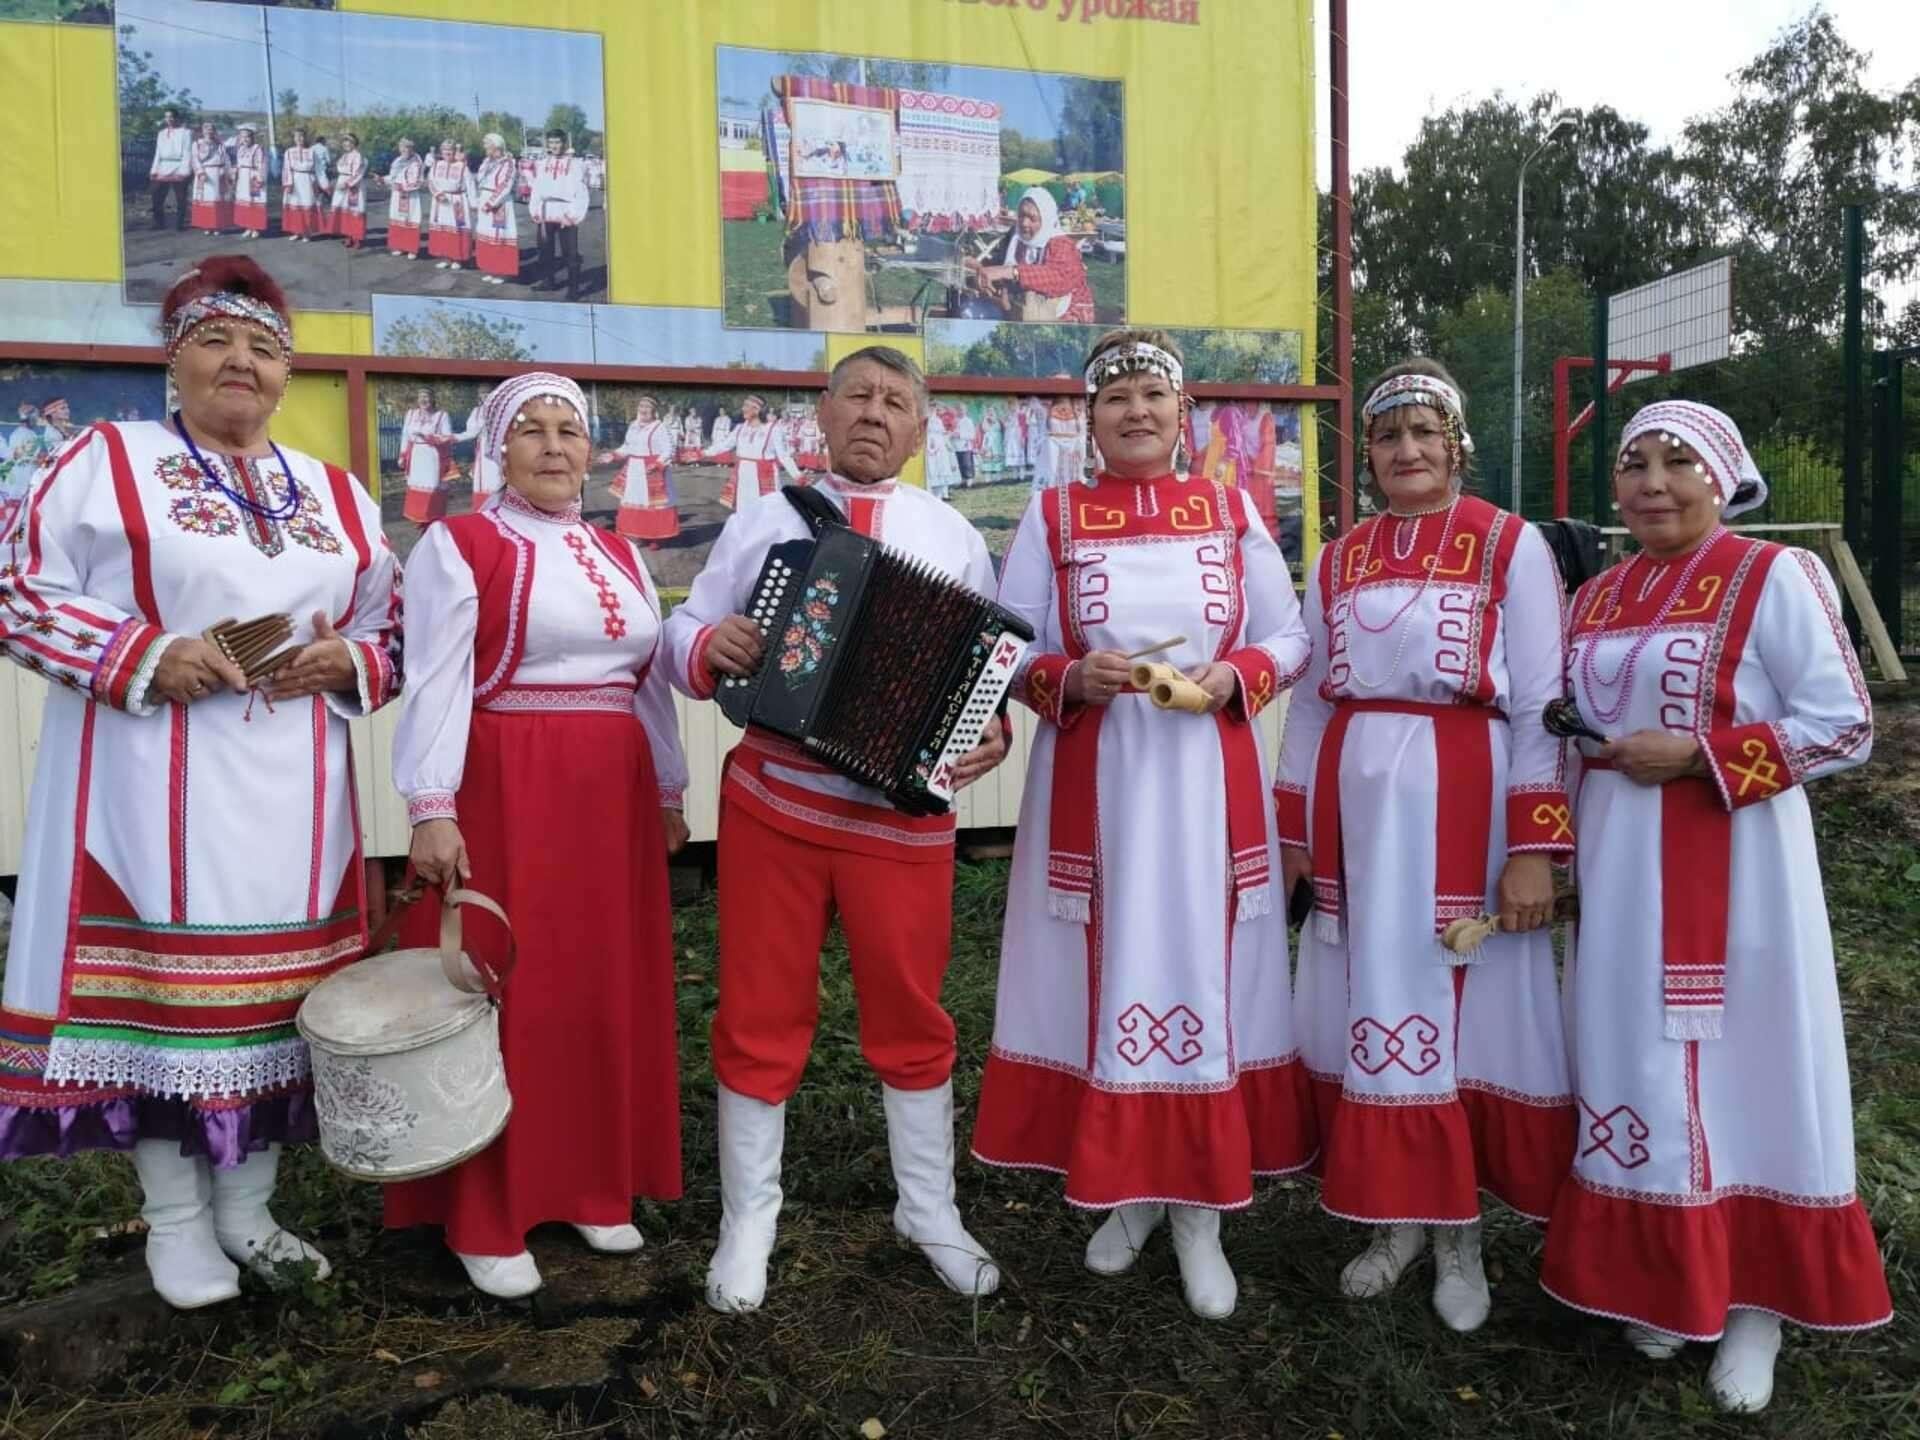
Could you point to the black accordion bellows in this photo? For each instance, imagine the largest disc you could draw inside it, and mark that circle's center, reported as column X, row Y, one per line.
column 879, row 665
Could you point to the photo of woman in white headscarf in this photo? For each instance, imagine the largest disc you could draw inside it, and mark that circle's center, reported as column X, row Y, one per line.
column 1035, row 272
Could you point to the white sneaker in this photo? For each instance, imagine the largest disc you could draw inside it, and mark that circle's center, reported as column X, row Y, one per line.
column 245, row 1227
column 1652, row 1343
column 752, row 1135
column 611, row 1239
column 1212, row 1292
column 183, row 1256
column 1741, row 1376
column 505, row 1277
column 1461, row 1296
column 1112, row 1249
column 1378, row 1268
column 920, row 1144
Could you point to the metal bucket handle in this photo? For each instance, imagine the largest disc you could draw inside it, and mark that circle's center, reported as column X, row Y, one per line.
column 492, row 979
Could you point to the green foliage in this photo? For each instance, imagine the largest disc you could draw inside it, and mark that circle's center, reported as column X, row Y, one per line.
column 1092, row 127
column 451, row 334
column 144, row 100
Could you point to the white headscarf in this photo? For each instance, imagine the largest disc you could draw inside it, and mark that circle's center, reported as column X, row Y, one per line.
column 1049, row 209
column 510, row 397
column 1715, row 439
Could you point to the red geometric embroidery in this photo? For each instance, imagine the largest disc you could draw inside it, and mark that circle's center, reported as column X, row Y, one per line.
column 1159, row 1030
column 1393, row 1048
column 1602, row 1131
column 613, row 622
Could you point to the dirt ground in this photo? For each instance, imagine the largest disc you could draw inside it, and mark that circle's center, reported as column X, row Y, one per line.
column 856, row 1329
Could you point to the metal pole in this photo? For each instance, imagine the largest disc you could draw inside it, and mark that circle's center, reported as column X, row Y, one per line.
column 1852, row 364
column 1343, row 472
column 1886, row 533
column 1519, row 312
column 1602, row 471
column 266, row 54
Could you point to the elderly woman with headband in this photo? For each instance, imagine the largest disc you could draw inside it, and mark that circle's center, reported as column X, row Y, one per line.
column 540, row 759
column 1713, row 1195
column 1417, row 787
column 1143, row 1043
column 193, row 843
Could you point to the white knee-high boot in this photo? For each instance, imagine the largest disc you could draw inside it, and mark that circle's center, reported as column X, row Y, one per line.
column 1212, row 1292
column 245, row 1228
column 752, row 1136
column 1461, row 1296
column 920, row 1141
column 1378, row 1268
column 1741, row 1376
column 1112, row 1249
column 183, row 1255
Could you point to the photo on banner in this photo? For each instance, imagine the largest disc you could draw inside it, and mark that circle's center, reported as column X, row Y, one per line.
column 670, row 463
column 1038, row 352
column 864, row 194
column 352, row 154
column 100, row 12
column 44, row 406
column 989, row 455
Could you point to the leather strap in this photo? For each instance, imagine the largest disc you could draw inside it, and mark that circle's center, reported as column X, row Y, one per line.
column 492, row 979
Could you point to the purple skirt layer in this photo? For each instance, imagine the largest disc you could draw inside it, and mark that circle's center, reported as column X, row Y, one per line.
column 225, row 1136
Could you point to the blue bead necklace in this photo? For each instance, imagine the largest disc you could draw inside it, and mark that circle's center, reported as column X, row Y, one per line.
column 287, row 508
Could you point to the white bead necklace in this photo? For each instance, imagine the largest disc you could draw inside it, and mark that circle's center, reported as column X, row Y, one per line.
column 1402, row 616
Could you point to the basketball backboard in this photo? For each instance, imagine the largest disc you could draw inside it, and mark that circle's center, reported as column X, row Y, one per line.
column 1686, row 316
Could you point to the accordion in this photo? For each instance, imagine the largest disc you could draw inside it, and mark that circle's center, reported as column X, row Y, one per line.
column 880, row 666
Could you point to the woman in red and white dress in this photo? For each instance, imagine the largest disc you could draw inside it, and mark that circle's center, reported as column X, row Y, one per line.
column 532, row 645
column 300, row 189
column 212, row 207
column 450, row 221
column 496, row 235
column 648, row 507
column 425, row 436
column 1713, row 1193
column 1416, row 787
column 406, row 182
column 249, row 184
column 348, row 218
column 760, row 455
column 1143, row 1040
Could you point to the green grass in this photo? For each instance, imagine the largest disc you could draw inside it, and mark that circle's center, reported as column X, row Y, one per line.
column 857, row 1328
column 756, row 279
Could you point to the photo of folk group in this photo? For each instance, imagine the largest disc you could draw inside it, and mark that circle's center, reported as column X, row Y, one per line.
column 1161, row 1038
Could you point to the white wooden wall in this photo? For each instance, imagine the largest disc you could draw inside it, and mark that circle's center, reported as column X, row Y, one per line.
column 991, row 802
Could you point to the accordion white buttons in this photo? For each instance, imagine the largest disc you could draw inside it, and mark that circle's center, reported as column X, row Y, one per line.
column 880, row 666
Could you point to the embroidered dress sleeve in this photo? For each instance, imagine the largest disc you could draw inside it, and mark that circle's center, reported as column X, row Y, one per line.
column 723, row 441
column 1060, row 271
column 1538, row 815
column 1277, row 648
column 653, row 703
column 719, row 590
column 49, row 623
column 662, row 443
column 372, row 624
column 430, row 743
column 575, row 195
column 1307, row 715
column 1027, row 589
column 1827, row 724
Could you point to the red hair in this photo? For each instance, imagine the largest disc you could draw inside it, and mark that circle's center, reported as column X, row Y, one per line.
column 216, row 273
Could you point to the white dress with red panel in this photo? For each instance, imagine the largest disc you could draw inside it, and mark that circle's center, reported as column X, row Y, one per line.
column 300, row 191
column 649, row 509
column 212, row 207
column 450, row 220
column 406, row 203
column 1143, row 1039
column 425, row 436
column 1715, row 1163
column 800, row 843
column 191, row 871
column 348, row 219
column 250, row 187
column 1414, row 763
column 496, row 236
column 763, row 461
column 538, row 719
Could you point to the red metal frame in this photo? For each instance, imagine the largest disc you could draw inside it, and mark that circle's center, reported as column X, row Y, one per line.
column 1564, row 429
column 1342, row 259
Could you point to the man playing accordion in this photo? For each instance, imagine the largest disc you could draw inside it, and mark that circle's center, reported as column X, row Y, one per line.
column 800, row 842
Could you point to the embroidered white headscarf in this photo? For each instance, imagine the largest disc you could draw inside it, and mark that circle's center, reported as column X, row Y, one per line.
column 1714, row 437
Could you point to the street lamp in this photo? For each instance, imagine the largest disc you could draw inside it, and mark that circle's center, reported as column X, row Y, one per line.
column 1563, row 126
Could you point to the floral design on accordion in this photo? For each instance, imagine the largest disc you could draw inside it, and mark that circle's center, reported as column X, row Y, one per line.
column 806, row 640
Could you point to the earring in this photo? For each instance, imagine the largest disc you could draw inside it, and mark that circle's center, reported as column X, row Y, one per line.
column 1716, row 502
column 1180, row 458
column 1615, row 507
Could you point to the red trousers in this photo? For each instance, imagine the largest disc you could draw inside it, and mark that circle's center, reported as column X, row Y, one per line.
column 777, row 894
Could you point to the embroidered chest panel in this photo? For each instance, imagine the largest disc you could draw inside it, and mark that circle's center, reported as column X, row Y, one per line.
column 199, row 506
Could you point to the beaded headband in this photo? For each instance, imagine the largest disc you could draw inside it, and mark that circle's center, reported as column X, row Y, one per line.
column 226, row 305
column 1712, row 435
column 1110, row 365
column 1425, row 390
column 510, row 398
